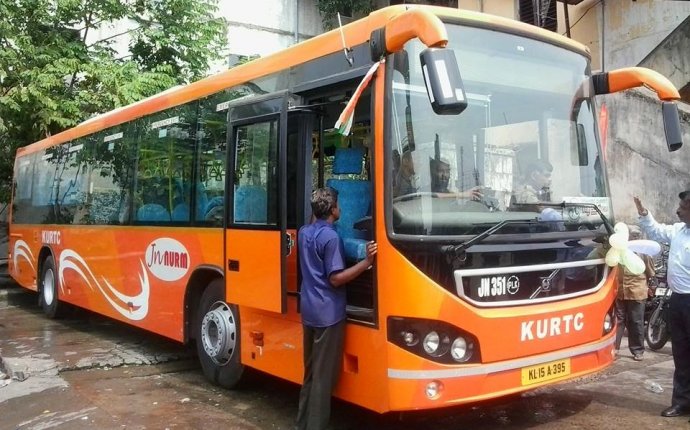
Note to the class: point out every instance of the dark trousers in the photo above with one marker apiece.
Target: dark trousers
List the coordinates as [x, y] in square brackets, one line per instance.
[679, 321]
[630, 314]
[323, 358]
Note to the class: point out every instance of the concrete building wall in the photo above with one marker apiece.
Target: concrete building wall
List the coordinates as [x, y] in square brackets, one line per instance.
[269, 25]
[504, 8]
[584, 21]
[638, 160]
[632, 29]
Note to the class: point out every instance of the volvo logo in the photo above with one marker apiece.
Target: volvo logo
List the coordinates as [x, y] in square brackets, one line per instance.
[546, 284]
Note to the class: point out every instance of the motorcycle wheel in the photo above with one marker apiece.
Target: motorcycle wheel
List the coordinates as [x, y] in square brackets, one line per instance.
[657, 333]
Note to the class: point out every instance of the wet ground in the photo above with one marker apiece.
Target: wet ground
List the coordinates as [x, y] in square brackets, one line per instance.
[87, 372]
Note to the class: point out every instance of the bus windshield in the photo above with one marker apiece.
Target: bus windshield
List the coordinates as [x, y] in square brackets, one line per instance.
[527, 140]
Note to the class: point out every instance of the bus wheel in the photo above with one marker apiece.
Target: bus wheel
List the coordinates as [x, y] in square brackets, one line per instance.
[49, 289]
[218, 337]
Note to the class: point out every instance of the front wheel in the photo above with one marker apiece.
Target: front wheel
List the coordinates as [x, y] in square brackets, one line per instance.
[48, 296]
[657, 333]
[218, 337]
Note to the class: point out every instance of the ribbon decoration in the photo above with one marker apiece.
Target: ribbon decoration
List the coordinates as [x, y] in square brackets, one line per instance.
[344, 122]
[623, 251]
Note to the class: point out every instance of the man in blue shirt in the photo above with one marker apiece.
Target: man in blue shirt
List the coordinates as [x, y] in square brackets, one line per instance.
[322, 264]
[678, 275]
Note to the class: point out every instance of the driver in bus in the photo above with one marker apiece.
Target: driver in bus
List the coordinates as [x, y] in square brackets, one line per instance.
[537, 183]
[440, 180]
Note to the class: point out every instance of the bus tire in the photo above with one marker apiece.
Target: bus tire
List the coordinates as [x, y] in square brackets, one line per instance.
[49, 296]
[218, 337]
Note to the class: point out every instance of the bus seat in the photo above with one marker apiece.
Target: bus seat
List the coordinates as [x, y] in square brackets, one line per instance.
[250, 204]
[354, 199]
[213, 203]
[153, 212]
[181, 212]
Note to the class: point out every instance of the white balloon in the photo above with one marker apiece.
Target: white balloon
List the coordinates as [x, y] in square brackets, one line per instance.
[619, 241]
[613, 257]
[621, 227]
[632, 262]
[647, 247]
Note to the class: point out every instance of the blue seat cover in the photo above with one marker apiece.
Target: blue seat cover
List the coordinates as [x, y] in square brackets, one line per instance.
[153, 212]
[354, 199]
[250, 204]
[181, 212]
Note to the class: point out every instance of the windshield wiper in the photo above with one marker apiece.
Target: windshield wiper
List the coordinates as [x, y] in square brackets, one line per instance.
[564, 204]
[459, 248]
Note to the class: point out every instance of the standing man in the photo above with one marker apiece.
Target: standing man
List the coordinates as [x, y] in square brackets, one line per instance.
[322, 264]
[678, 270]
[630, 303]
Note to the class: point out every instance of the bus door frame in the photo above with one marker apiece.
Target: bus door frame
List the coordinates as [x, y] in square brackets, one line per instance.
[255, 254]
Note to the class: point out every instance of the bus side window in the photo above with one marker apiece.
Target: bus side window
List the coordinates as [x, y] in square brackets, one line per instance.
[255, 169]
[209, 205]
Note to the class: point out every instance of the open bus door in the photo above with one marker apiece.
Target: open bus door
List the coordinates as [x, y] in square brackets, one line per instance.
[256, 244]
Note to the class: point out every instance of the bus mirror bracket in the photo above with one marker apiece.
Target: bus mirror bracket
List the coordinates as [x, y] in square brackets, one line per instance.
[633, 77]
[443, 82]
[377, 44]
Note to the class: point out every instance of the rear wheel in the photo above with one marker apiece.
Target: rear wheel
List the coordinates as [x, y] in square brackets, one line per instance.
[657, 333]
[49, 289]
[218, 337]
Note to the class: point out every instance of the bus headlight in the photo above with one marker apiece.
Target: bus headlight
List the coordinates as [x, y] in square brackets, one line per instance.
[609, 320]
[410, 338]
[434, 340]
[460, 351]
[431, 343]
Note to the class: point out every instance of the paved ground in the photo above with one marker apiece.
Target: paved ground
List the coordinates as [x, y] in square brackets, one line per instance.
[88, 372]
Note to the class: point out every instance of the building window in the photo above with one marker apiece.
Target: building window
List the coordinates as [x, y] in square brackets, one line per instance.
[541, 13]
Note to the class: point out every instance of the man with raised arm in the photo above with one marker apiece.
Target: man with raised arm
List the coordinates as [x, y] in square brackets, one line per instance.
[678, 272]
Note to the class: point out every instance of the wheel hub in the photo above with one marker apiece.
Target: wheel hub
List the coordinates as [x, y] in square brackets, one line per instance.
[219, 333]
[48, 287]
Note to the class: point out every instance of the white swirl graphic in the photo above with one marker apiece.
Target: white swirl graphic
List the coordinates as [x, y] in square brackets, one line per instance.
[131, 307]
[21, 249]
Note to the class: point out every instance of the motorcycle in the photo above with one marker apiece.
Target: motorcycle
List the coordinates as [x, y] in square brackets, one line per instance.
[658, 330]
[657, 327]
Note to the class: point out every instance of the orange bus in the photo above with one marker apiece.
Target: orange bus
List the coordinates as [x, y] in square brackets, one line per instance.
[179, 214]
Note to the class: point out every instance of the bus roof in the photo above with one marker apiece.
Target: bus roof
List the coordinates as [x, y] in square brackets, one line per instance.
[356, 32]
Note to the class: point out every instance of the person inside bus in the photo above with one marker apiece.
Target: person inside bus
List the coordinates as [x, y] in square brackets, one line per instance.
[405, 180]
[678, 272]
[323, 301]
[536, 187]
[440, 181]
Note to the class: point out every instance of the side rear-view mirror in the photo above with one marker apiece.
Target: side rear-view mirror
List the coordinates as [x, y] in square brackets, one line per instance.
[580, 156]
[443, 81]
[674, 135]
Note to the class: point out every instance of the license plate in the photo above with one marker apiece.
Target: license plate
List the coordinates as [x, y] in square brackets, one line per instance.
[545, 372]
[660, 291]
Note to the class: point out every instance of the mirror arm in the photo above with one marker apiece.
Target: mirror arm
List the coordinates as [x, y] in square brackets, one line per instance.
[633, 77]
[404, 27]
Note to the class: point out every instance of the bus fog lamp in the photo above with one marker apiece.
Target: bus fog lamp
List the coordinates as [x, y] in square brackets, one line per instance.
[460, 351]
[433, 389]
[431, 343]
[410, 338]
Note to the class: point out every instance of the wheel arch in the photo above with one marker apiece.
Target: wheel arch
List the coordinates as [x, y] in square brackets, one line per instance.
[200, 279]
